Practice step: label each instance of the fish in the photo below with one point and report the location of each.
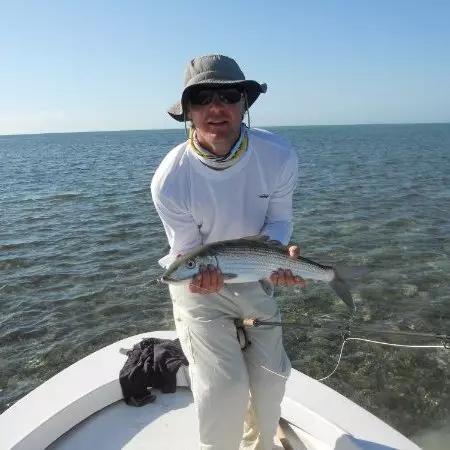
(255, 258)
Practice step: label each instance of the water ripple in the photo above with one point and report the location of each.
(79, 240)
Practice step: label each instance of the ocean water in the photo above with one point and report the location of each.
(79, 240)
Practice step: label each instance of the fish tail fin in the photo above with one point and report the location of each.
(342, 290)
(349, 272)
(339, 285)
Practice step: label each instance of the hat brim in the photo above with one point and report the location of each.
(252, 88)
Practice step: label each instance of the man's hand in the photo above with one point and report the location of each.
(208, 281)
(283, 277)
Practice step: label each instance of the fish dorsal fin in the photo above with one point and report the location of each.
(256, 237)
(262, 238)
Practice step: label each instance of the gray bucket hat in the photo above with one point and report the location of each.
(215, 70)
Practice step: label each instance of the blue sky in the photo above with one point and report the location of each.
(114, 65)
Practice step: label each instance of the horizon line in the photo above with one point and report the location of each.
(38, 133)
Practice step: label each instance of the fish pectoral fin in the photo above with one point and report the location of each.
(267, 286)
(229, 276)
(275, 242)
(264, 238)
(340, 287)
(257, 237)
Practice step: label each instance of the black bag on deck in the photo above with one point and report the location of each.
(152, 363)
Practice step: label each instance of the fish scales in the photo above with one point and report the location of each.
(266, 258)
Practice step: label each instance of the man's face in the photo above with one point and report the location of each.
(216, 114)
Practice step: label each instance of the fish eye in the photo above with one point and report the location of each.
(190, 263)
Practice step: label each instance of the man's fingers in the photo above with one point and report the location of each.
(294, 251)
(289, 278)
(286, 278)
(216, 279)
(212, 278)
(208, 281)
(219, 280)
(195, 284)
(206, 278)
(281, 277)
(274, 278)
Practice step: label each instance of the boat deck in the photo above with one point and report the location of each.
(168, 423)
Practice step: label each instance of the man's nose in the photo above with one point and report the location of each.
(215, 101)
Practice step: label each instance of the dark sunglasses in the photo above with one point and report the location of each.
(205, 97)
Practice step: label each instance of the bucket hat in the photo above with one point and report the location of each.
(215, 71)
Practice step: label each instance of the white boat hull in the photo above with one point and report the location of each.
(82, 408)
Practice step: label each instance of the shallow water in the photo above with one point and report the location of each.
(79, 238)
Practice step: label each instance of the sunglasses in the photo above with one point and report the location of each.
(204, 97)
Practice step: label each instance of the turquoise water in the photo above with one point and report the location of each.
(79, 238)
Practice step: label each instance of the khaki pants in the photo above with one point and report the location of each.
(230, 385)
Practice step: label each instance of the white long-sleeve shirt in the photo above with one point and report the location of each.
(198, 205)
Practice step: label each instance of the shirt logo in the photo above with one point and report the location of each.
(264, 196)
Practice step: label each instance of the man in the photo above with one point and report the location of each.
(227, 181)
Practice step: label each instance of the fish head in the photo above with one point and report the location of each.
(185, 268)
